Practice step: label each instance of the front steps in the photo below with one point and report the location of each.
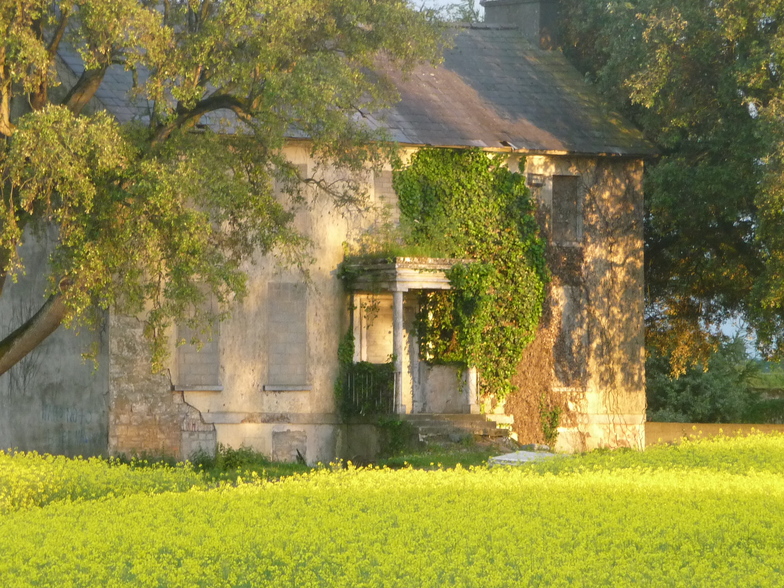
(456, 428)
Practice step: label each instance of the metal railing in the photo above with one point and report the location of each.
(369, 389)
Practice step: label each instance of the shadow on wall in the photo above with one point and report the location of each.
(588, 356)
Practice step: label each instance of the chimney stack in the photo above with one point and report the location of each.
(536, 19)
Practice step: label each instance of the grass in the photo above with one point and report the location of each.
(229, 463)
(444, 457)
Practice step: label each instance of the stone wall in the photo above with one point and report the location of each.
(614, 301)
(278, 350)
(145, 415)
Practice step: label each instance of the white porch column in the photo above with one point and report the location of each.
(416, 383)
(397, 348)
(471, 391)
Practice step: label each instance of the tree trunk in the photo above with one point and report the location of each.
(32, 333)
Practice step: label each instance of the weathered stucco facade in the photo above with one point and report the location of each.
(595, 239)
(52, 400)
(267, 377)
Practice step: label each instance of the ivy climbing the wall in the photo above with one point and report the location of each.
(468, 205)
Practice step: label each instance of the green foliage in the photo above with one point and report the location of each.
(703, 81)
(770, 377)
(462, 11)
(233, 465)
(345, 360)
(384, 245)
(550, 418)
(719, 391)
(373, 387)
(346, 349)
(468, 205)
(397, 436)
(362, 388)
(151, 215)
(697, 514)
(433, 457)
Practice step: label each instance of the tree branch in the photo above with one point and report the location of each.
(39, 98)
(191, 116)
(54, 44)
(83, 91)
(6, 126)
(4, 257)
(32, 333)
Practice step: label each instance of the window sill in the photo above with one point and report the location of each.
(277, 388)
(197, 388)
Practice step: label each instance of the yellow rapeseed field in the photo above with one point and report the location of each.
(705, 513)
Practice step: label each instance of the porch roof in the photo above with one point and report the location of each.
(399, 274)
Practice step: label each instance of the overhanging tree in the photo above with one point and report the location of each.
(704, 82)
(161, 212)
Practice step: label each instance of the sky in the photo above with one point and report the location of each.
(432, 3)
(440, 3)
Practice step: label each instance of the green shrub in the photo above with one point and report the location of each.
(396, 436)
(229, 463)
(719, 392)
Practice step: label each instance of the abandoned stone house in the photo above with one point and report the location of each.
(266, 380)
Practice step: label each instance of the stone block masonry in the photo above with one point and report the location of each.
(145, 415)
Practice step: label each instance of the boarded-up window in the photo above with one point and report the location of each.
(289, 445)
(198, 368)
(385, 194)
(567, 210)
(287, 364)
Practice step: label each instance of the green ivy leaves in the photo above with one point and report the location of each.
(469, 205)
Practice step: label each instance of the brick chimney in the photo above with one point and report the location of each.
(536, 19)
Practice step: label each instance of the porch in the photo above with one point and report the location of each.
(385, 300)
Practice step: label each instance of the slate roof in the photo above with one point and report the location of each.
(494, 90)
(114, 93)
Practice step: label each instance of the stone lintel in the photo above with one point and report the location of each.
(402, 274)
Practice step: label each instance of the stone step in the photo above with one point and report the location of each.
(456, 418)
(474, 430)
(440, 428)
(461, 424)
(501, 419)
